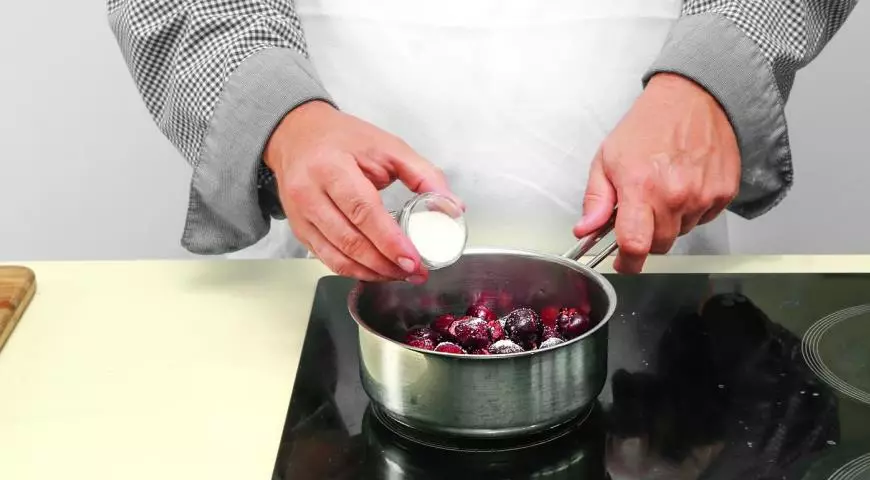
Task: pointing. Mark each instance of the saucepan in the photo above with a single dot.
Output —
(485, 396)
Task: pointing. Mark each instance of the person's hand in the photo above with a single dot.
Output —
(670, 164)
(329, 167)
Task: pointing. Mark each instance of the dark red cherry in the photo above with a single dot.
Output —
(564, 317)
(442, 325)
(574, 325)
(449, 347)
(481, 311)
(472, 332)
(422, 333)
(523, 326)
(423, 343)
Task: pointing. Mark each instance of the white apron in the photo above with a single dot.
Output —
(511, 98)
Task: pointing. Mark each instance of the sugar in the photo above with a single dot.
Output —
(437, 236)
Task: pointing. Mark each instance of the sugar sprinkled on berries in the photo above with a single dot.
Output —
(503, 347)
(496, 331)
(548, 332)
(481, 332)
(422, 343)
(551, 342)
(472, 332)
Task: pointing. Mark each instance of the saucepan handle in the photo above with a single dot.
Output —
(585, 244)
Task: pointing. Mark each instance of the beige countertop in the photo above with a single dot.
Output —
(165, 370)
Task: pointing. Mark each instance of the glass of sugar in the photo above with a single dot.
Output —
(435, 224)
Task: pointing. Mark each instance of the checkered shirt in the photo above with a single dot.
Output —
(181, 53)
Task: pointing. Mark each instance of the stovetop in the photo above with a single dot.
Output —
(763, 376)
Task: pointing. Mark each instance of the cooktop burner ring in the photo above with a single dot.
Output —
(467, 445)
(810, 350)
(854, 469)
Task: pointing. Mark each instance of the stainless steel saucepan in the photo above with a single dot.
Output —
(485, 395)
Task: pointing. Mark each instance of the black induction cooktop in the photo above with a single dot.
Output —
(763, 376)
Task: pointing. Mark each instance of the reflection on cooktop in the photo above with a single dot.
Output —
(709, 376)
(576, 452)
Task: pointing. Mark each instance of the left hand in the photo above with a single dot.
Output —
(672, 163)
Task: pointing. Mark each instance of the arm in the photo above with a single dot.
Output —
(218, 77)
(746, 53)
(709, 130)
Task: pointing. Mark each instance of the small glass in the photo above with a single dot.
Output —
(435, 224)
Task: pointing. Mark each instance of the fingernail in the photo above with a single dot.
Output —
(407, 264)
(416, 279)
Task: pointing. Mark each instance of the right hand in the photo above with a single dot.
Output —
(329, 167)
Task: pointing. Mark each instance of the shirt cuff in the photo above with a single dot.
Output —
(713, 52)
(229, 207)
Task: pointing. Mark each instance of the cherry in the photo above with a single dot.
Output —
(449, 347)
(481, 332)
(551, 342)
(505, 346)
(564, 317)
(481, 311)
(472, 332)
(548, 316)
(442, 325)
(549, 332)
(523, 326)
(572, 323)
(422, 333)
(496, 331)
(422, 343)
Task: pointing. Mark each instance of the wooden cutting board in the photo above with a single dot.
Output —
(17, 286)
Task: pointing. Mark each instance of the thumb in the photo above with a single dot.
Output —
(420, 175)
(599, 200)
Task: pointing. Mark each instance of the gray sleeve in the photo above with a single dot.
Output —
(746, 54)
(217, 77)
